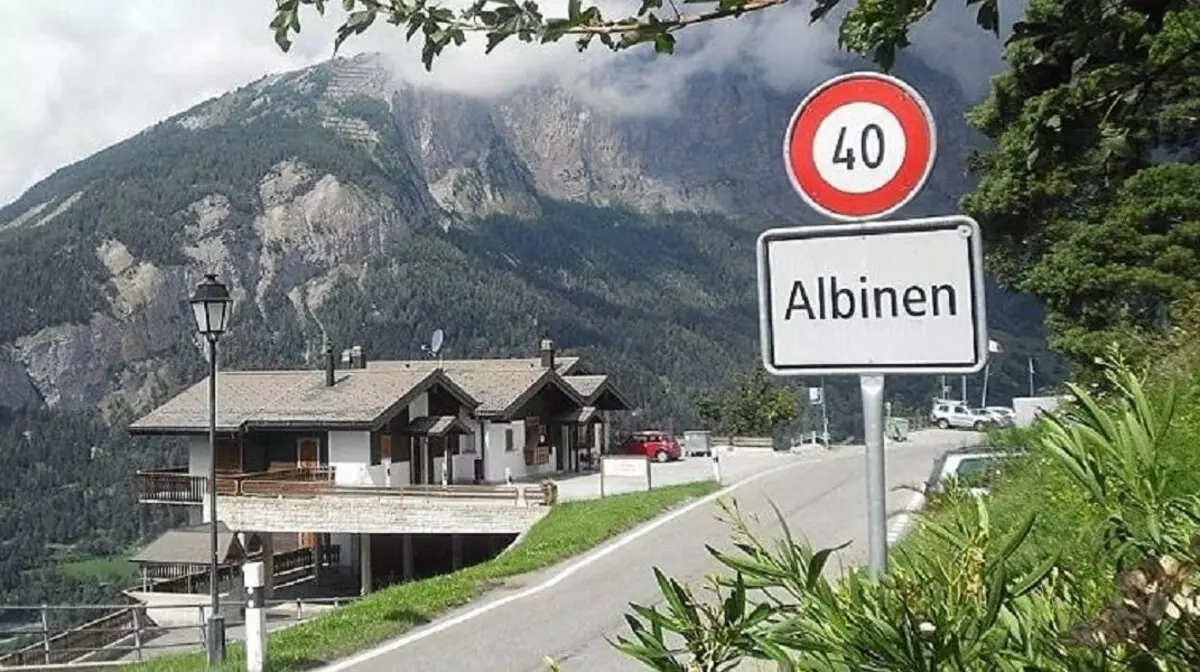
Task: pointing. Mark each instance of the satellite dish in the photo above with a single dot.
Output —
(435, 343)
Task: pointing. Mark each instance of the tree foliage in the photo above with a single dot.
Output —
(874, 28)
(756, 406)
(1083, 193)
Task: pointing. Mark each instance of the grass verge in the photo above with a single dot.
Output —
(568, 530)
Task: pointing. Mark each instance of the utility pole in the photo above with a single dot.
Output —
(987, 370)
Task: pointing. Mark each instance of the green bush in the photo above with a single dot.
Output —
(1083, 559)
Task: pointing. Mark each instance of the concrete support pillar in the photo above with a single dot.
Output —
(406, 556)
(364, 563)
(317, 552)
(485, 450)
(268, 560)
(456, 552)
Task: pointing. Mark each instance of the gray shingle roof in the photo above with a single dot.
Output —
(563, 365)
(187, 546)
(267, 398)
(586, 385)
(495, 383)
(248, 399)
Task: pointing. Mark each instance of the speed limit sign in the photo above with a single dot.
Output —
(860, 146)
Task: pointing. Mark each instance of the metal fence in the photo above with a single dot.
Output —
(125, 633)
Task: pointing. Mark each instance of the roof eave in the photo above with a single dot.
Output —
(435, 377)
(177, 430)
(608, 386)
(342, 425)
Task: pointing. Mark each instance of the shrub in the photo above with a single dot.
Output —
(976, 590)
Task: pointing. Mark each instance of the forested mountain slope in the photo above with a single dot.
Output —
(338, 203)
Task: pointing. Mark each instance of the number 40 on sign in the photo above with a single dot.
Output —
(860, 146)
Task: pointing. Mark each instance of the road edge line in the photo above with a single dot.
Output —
(589, 559)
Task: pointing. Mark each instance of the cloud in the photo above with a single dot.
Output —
(82, 75)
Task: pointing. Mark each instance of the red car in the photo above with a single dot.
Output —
(654, 444)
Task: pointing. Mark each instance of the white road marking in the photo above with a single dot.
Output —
(566, 573)
(900, 523)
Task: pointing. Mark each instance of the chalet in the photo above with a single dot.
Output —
(383, 451)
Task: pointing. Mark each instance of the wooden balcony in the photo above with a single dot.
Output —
(170, 486)
(176, 486)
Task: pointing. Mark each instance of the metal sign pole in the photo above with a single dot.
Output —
(872, 401)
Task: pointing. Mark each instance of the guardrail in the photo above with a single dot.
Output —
(176, 486)
(285, 562)
(127, 635)
(744, 442)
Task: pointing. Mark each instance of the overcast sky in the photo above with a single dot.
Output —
(80, 75)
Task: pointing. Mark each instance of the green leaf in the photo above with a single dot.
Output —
(494, 39)
(664, 43)
(816, 566)
(1035, 577)
(988, 16)
(1017, 537)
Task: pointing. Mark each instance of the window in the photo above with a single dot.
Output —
(466, 444)
(508, 440)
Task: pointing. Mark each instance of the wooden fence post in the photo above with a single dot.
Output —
(46, 633)
(137, 633)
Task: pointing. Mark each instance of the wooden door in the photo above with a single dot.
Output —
(229, 455)
(308, 453)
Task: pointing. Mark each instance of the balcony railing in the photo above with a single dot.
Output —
(171, 486)
(176, 486)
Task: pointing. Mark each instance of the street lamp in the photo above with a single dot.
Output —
(211, 306)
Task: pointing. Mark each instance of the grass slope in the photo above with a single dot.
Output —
(568, 530)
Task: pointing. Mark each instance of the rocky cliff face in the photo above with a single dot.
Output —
(289, 186)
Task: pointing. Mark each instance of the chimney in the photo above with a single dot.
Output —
(356, 358)
(546, 350)
(329, 364)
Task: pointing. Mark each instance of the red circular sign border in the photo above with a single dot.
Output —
(898, 98)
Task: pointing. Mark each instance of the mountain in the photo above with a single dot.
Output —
(340, 204)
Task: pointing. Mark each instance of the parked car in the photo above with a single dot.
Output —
(947, 414)
(654, 444)
(1005, 417)
(975, 468)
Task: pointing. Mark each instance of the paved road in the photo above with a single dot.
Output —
(821, 497)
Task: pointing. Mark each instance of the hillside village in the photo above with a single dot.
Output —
(490, 367)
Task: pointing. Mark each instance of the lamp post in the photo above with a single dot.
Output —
(211, 307)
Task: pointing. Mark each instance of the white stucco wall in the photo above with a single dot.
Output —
(197, 455)
(498, 458)
(350, 457)
(401, 473)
